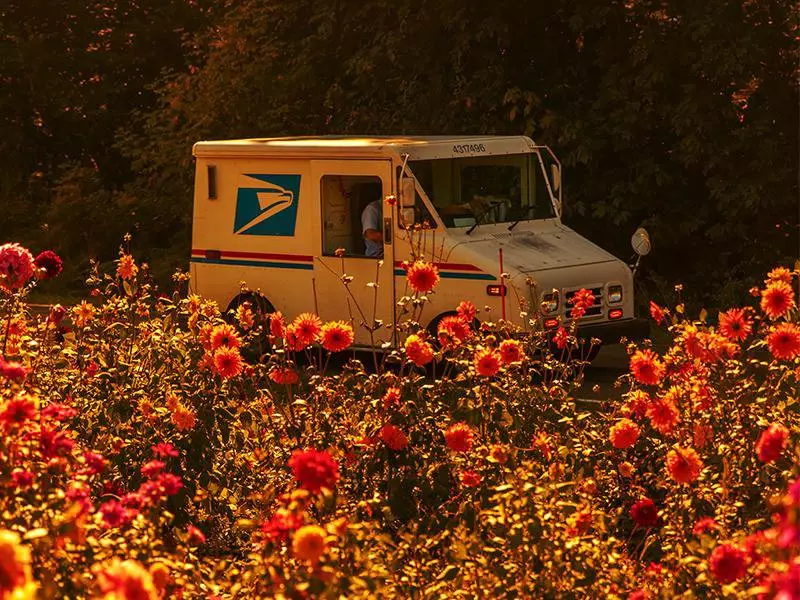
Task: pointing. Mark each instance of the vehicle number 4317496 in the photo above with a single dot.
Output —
(467, 148)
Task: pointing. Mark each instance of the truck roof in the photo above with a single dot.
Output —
(416, 147)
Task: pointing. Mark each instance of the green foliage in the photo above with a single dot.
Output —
(678, 116)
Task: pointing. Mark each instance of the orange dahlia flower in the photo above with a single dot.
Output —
(784, 341)
(307, 327)
(337, 336)
(418, 350)
(228, 362)
(511, 351)
(624, 434)
(646, 367)
(422, 277)
(126, 267)
(735, 325)
(459, 437)
(683, 464)
(224, 336)
(779, 274)
(309, 543)
(777, 299)
(487, 362)
(663, 413)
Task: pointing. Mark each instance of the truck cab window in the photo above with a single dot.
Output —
(352, 215)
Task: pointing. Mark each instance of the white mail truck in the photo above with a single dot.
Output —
(289, 216)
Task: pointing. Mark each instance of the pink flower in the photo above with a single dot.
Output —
(16, 266)
(153, 468)
(95, 463)
(727, 563)
(58, 412)
(113, 514)
(22, 478)
(164, 450)
(13, 371)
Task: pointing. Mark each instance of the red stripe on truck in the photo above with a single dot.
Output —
(447, 266)
(258, 255)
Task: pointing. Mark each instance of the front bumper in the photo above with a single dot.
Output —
(610, 332)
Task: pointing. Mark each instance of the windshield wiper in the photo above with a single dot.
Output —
(483, 212)
(517, 222)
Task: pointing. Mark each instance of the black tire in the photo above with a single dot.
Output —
(262, 309)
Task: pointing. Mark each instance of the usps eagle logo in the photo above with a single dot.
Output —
(266, 205)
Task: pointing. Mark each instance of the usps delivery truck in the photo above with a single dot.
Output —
(284, 215)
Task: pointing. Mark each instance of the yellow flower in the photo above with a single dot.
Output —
(193, 303)
(15, 567)
(245, 316)
(309, 543)
(82, 314)
(125, 580)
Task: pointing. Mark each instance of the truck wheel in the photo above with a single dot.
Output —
(262, 308)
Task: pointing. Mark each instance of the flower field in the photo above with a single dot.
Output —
(154, 447)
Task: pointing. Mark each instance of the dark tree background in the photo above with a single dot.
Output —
(678, 115)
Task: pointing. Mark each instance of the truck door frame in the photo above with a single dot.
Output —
(386, 298)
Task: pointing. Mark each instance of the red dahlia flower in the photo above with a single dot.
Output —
(452, 331)
(470, 479)
(644, 513)
(459, 437)
(50, 263)
(16, 266)
(228, 362)
(727, 563)
(314, 469)
(510, 351)
(467, 311)
(771, 442)
(394, 438)
(657, 313)
(281, 524)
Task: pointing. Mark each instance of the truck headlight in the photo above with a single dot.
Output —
(550, 302)
(614, 294)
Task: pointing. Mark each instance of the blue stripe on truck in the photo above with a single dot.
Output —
(251, 263)
(446, 275)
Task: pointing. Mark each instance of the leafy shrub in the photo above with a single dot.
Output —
(154, 447)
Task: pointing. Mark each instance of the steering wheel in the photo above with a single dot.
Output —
(482, 205)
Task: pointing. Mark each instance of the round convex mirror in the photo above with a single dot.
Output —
(640, 240)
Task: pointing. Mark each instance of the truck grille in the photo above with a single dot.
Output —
(595, 310)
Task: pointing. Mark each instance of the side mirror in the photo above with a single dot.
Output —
(407, 217)
(555, 175)
(640, 240)
(408, 193)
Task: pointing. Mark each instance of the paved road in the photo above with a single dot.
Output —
(610, 364)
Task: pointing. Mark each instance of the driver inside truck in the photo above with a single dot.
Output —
(371, 218)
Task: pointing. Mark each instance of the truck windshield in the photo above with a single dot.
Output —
(485, 189)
